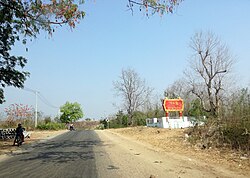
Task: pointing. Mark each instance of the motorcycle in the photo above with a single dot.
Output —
(19, 140)
(71, 128)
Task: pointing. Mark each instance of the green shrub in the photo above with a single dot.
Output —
(237, 135)
(47, 120)
(114, 124)
(51, 126)
(230, 133)
(100, 127)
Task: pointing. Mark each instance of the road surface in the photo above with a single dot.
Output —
(102, 154)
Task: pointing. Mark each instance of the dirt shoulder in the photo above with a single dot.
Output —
(174, 141)
(6, 146)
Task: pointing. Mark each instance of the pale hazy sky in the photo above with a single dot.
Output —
(80, 65)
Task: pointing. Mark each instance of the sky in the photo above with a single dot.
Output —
(80, 65)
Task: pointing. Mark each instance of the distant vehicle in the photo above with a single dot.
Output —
(71, 127)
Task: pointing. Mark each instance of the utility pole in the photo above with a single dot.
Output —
(42, 99)
(36, 110)
(59, 114)
(36, 93)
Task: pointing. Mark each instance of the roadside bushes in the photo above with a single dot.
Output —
(237, 134)
(231, 128)
(8, 123)
(28, 124)
(120, 120)
(51, 126)
(231, 133)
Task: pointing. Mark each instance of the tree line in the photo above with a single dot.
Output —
(207, 87)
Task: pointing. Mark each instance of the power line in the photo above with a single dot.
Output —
(42, 98)
(30, 90)
(45, 101)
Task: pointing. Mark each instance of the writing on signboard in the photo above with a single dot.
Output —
(173, 104)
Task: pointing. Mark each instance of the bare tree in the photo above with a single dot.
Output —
(176, 89)
(180, 89)
(133, 90)
(210, 67)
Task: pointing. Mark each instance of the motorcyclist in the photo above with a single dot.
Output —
(19, 132)
(71, 127)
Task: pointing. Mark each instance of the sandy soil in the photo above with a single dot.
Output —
(134, 158)
(174, 141)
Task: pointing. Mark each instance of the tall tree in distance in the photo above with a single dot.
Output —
(133, 90)
(71, 112)
(209, 69)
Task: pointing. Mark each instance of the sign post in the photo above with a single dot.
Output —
(173, 105)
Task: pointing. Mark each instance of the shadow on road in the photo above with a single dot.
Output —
(60, 157)
(69, 149)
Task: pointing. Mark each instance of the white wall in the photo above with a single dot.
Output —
(166, 122)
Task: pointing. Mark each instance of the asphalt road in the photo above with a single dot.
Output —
(103, 154)
(68, 155)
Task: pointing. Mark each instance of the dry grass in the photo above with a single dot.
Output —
(174, 141)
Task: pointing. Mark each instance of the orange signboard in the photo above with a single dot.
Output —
(173, 105)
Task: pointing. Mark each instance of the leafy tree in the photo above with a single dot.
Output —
(105, 123)
(154, 6)
(22, 19)
(88, 119)
(71, 112)
(140, 118)
(196, 109)
(47, 119)
(119, 116)
(121, 119)
(18, 111)
(157, 112)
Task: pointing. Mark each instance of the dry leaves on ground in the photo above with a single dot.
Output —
(173, 140)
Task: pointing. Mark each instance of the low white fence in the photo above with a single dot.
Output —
(166, 122)
(10, 133)
(7, 133)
